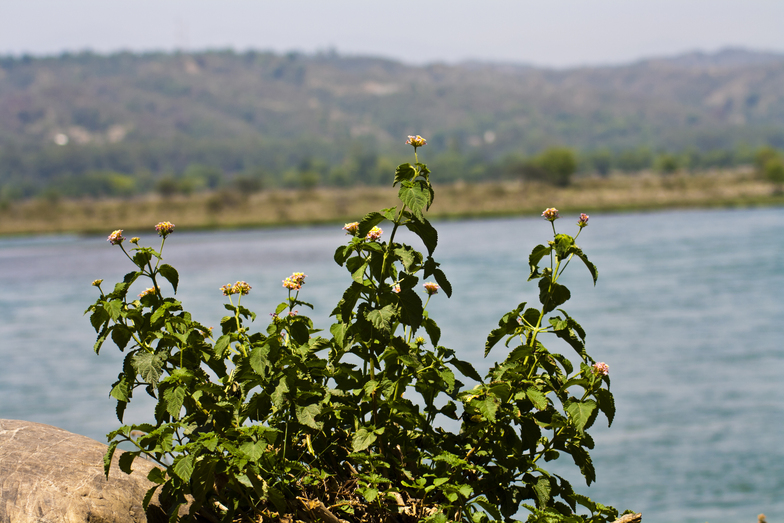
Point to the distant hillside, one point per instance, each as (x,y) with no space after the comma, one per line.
(159,113)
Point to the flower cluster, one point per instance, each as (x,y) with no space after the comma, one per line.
(351,228)
(145,292)
(164,229)
(601,369)
(431,288)
(97,283)
(242,288)
(416,141)
(551,214)
(583,221)
(135,240)
(116,238)
(295,281)
(374,234)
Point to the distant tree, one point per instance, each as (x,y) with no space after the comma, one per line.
(602,161)
(667,163)
(558,165)
(762,156)
(167,186)
(774,171)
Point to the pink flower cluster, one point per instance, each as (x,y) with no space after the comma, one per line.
(295,281)
(374,234)
(145,292)
(601,369)
(431,288)
(416,141)
(164,228)
(242,288)
(351,228)
(116,238)
(551,214)
(583,221)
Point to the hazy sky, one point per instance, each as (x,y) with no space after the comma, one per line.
(558,33)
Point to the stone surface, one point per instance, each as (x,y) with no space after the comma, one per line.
(49,475)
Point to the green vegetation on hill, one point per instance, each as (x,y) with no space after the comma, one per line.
(126,124)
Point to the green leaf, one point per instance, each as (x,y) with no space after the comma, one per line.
(537,398)
(443,282)
(307,415)
(279,396)
(466,369)
(173,398)
(156,475)
(126,460)
(183,466)
(341,253)
(606,404)
(415,196)
(148,366)
(114,307)
(370,220)
(580,412)
(542,491)
(425,231)
(121,335)
(120,390)
(535,257)
(253,450)
(170,273)
(380,318)
(370,494)
(99,317)
(107,457)
(363,439)
(487,406)
(591,267)
(149,495)
(432,329)
(552,294)
(338,331)
(563,245)
(404,172)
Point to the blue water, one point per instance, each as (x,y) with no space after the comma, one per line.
(688,312)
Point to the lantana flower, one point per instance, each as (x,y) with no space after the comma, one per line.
(431,288)
(164,229)
(295,281)
(116,238)
(242,288)
(97,283)
(374,234)
(583,221)
(551,214)
(351,228)
(601,369)
(416,141)
(145,292)
(135,240)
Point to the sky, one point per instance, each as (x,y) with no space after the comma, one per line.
(550,33)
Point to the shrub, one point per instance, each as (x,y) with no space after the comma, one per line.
(287,424)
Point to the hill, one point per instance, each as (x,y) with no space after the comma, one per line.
(298,119)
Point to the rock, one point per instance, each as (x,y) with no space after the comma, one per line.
(49,475)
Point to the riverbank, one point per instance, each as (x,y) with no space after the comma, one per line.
(229,209)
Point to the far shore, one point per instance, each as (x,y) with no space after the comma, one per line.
(227,209)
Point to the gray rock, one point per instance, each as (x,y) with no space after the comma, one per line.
(49,475)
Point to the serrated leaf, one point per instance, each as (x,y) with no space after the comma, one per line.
(307,415)
(99,317)
(149,495)
(362,439)
(279,396)
(404,172)
(606,404)
(466,369)
(432,329)
(120,390)
(415,196)
(487,406)
(113,308)
(443,282)
(380,318)
(126,460)
(591,267)
(370,220)
(253,450)
(537,398)
(580,412)
(542,489)
(183,467)
(425,231)
(148,366)
(552,294)
(171,274)
(173,398)
(156,475)
(535,257)
(107,457)
(121,335)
